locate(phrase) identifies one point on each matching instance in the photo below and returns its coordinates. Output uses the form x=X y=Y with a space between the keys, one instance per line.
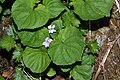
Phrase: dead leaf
x=8 y=74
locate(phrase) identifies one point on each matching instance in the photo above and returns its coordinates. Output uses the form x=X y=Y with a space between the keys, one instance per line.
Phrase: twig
x=118 y=42
x=105 y=57
x=28 y=75
x=89 y=34
x=118 y=6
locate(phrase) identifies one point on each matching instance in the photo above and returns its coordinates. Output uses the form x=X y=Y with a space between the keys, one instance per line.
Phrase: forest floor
x=107 y=66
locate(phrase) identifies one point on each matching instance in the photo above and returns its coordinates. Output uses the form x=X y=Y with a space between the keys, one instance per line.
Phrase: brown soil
x=111 y=68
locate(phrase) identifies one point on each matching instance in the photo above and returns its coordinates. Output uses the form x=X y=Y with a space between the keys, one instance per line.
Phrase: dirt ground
x=110 y=69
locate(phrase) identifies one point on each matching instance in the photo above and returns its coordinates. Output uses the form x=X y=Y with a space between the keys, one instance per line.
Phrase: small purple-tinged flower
x=51 y=28
x=47 y=42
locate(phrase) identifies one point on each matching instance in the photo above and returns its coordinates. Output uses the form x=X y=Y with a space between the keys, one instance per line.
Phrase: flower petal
x=47 y=42
x=49 y=27
x=50 y=40
x=47 y=39
x=53 y=26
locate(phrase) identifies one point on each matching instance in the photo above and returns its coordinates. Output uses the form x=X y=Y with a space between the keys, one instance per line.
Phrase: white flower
x=51 y=28
x=47 y=42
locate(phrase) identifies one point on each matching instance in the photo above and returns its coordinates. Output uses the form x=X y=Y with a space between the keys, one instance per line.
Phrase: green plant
x=49 y=31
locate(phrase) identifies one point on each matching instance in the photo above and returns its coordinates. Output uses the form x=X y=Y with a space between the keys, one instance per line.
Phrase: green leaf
x=10 y=31
x=26 y=16
x=51 y=72
x=66 y=68
x=83 y=72
x=0 y=9
x=93 y=46
x=88 y=59
x=1 y=78
x=7 y=42
x=69 y=19
x=55 y=7
x=68 y=48
x=6 y=12
x=17 y=54
x=36 y=59
x=2 y=1
x=33 y=39
x=58 y=25
x=92 y=9
x=54 y=35
x=19 y=75
x=83 y=31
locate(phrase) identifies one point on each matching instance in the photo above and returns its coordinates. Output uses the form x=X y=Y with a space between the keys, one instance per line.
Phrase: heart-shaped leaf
x=83 y=72
x=26 y=16
x=68 y=48
x=36 y=59
x=55 y=7
x=92 y=9
x=33 y=39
